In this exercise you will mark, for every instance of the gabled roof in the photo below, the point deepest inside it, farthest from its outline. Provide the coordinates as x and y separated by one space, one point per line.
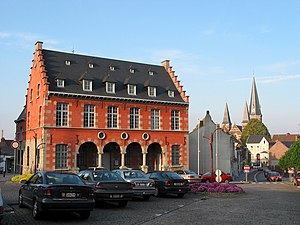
102 72
22 116
253 139
254 101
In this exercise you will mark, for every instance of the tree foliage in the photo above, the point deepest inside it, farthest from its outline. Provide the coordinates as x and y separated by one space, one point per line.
291 158
254 127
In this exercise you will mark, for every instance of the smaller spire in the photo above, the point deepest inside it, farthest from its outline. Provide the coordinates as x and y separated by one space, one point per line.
246 117
226 124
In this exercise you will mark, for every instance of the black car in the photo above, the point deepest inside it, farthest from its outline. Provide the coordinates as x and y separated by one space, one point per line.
56 191
108 186
167 182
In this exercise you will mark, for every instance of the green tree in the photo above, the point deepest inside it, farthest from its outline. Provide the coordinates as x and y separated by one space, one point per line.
254 127
292 157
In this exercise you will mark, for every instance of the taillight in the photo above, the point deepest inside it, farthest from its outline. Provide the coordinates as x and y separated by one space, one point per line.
99 186
189 176
168 183
47 193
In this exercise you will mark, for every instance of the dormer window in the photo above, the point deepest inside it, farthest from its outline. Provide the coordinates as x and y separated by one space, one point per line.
131 70
91 65
60 83
110 87
171 93
87 85
152 91
111 68
131 89
151 73
68 62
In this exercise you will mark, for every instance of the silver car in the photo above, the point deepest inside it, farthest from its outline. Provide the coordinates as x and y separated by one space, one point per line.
142 186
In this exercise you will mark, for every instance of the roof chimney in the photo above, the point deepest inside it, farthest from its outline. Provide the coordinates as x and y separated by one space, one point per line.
166 64
39 45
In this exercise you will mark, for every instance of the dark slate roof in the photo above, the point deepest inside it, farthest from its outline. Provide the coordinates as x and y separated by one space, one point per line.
288 143
22 115
255 138
100 73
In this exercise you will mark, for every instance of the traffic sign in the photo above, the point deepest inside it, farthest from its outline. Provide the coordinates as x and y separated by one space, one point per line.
246 167
15 144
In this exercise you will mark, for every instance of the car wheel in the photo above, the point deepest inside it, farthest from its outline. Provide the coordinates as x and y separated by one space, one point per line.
123 204
180 195
156 193
36 213
85 214
20 201
146 197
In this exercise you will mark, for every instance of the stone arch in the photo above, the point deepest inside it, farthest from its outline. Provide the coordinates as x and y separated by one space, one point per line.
111 158
134 156
154 157
87 156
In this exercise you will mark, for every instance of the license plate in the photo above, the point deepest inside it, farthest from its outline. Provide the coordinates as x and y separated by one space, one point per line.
142 184
177 184
116 196
69 195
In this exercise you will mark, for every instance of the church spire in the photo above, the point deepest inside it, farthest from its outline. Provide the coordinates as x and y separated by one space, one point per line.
245 116
254 108
226 124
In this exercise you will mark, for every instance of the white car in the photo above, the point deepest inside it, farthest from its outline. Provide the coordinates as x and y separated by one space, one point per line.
189 175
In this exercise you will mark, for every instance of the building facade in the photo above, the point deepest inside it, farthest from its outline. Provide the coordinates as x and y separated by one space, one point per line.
85 111
258 145
227 155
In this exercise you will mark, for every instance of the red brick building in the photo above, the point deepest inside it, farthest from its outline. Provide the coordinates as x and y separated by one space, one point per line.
84 111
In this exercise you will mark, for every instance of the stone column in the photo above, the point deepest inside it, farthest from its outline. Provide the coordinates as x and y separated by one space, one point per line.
165 158
122 151
100 153
144 167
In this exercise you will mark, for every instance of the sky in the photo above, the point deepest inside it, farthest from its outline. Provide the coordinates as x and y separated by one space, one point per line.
216 47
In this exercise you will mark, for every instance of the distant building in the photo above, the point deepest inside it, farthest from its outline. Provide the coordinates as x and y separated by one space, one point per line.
6 155
286 137
258 145
276 151
85 111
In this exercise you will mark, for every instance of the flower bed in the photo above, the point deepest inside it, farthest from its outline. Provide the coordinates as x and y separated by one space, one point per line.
215 187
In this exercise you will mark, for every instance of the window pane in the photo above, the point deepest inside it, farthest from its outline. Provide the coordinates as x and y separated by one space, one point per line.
134 118
61 114
175 154
89 115
154 119
61 156
112 117
174 120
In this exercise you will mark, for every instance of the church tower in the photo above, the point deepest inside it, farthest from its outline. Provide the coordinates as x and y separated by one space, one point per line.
245 116
254 108
226 124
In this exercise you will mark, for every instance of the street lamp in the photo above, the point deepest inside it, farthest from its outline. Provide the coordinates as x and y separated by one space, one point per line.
198 148
211 141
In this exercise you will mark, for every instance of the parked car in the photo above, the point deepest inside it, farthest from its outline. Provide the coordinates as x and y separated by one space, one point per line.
189 175
274 176
226 177
97 168
108 186
296 177
56 191
142 186
167 182
266 172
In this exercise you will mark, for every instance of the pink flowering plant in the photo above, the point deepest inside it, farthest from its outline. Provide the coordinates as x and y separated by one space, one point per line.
215 187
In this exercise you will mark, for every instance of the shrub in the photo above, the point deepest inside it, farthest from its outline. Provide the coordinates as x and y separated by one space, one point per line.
215 187
19 178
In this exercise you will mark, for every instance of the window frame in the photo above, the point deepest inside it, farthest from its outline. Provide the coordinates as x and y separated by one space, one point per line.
134 118
131 89
110 87
175 120
87 85
112 117
151 91
89 115
60 83
62 114
155 119
61 156
175 155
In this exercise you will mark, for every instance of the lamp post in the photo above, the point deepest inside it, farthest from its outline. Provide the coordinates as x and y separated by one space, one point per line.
211 141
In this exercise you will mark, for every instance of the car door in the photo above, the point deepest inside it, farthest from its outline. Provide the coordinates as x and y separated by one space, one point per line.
28 188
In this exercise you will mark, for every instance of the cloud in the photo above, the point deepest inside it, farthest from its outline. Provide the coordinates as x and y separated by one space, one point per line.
282 65
4 35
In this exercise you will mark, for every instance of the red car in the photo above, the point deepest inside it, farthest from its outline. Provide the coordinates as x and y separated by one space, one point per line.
274 176
296 177
226 177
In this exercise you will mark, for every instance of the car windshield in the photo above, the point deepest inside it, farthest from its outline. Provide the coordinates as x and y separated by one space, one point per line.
190 172
62 178
206 174
171 175
105 176
274 174
134 174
